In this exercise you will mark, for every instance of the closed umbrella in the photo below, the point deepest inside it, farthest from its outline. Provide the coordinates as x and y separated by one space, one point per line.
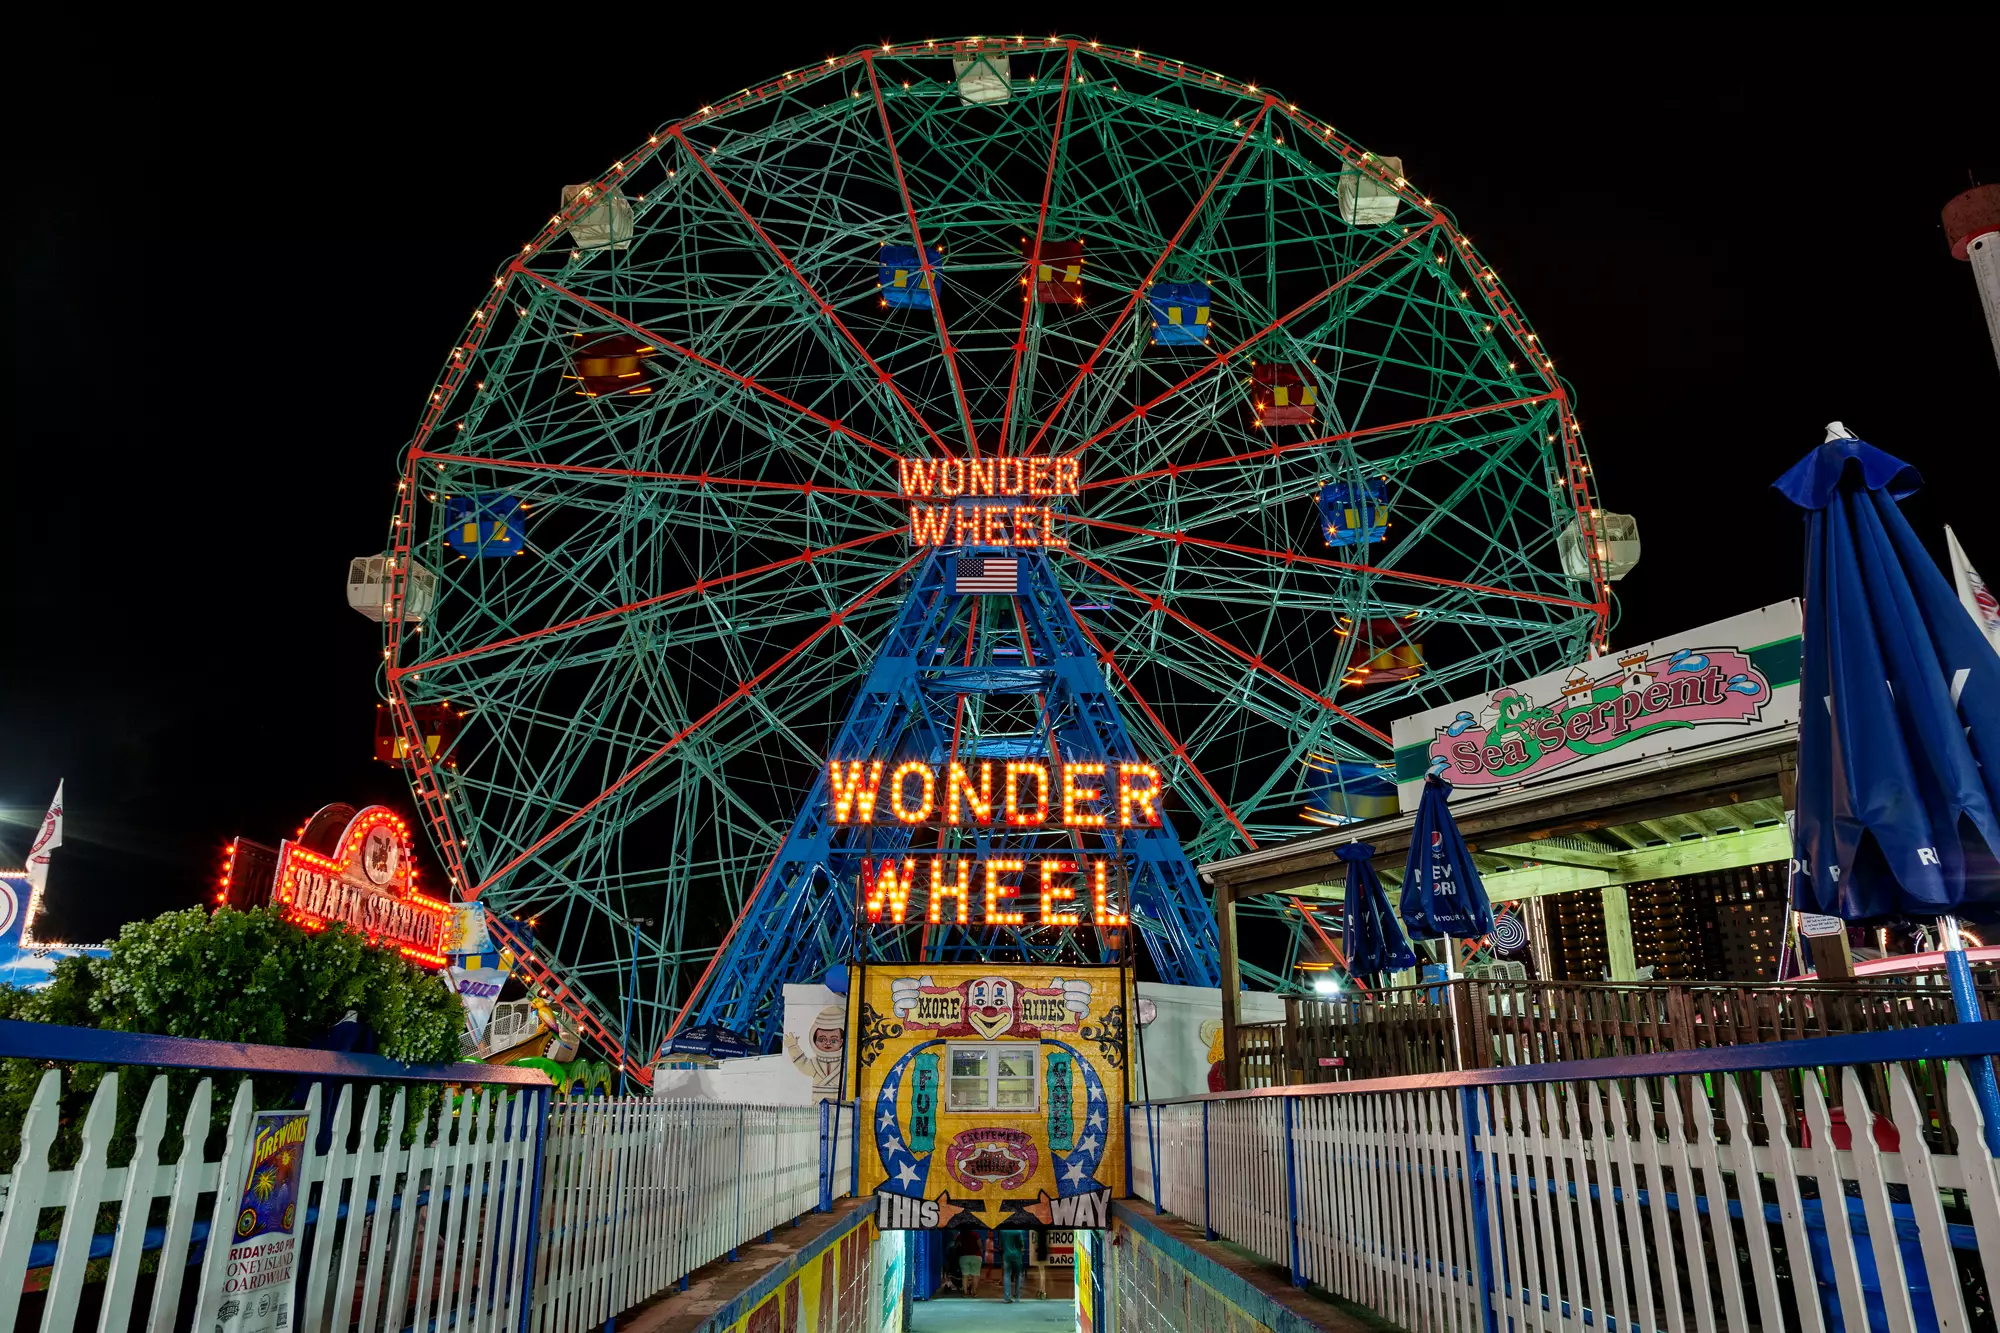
1442 891
1368 934
1900 704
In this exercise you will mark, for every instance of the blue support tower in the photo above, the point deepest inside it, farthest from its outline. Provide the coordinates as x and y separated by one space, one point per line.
959 677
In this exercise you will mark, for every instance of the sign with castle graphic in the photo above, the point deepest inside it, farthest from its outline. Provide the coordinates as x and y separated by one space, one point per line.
1715 683
992 1093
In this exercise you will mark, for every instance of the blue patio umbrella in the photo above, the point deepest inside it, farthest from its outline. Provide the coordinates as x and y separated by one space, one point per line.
1442 891
1899 704
1368 934
1899 721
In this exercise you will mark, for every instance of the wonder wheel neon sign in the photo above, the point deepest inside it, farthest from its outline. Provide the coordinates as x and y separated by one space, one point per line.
1032 797
988 501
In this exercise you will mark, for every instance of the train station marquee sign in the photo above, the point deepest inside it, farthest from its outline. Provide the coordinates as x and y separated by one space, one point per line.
366 883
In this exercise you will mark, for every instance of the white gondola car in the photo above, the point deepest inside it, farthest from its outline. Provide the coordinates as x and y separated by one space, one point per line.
607 222
1617 545
983 79
1366 200
368 588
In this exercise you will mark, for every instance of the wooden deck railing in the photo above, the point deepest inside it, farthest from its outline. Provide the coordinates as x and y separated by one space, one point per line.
1491 1024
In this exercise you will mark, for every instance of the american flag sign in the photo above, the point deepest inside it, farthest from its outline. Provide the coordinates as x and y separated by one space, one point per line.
987 573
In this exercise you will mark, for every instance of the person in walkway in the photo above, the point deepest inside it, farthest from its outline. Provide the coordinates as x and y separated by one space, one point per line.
971 1248
1013 1258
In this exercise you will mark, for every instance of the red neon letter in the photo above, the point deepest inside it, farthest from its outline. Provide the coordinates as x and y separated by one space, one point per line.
1073 795
849 792
995 890
1100 891
1016 770
917 475
940 890
896 784
958 786
928 524
1145 793
889 884
1053 892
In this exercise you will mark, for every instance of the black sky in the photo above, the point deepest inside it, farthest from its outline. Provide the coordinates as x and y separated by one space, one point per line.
235 262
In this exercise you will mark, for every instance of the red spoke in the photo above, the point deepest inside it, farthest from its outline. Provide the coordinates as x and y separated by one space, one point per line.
1090 362
836 427
699 586
1035 255
825 306
923 261
1224 358
641 474
1154 603
741 692
1180 751
1176 469
1321 562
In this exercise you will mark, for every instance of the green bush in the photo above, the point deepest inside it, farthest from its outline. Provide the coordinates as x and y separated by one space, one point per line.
227 976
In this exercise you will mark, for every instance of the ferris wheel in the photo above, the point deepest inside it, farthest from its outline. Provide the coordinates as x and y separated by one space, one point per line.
653 527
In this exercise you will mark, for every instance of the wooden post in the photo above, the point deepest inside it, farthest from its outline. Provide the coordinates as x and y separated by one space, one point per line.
1232 988
1289 1058
1832 959
1618 933
1468 1004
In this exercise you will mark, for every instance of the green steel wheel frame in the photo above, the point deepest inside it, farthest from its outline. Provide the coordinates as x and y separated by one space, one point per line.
709 562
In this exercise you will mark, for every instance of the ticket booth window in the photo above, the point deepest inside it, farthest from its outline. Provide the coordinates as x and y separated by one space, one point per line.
993 1076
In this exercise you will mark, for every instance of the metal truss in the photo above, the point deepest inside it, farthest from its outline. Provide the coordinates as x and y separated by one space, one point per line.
953 685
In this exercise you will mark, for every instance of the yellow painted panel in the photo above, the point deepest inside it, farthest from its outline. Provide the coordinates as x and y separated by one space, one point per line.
1048 1046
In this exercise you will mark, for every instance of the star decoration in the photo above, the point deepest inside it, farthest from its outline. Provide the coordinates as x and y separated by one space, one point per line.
908 1175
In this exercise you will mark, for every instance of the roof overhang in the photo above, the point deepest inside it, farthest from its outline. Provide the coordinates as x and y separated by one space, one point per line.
1661 786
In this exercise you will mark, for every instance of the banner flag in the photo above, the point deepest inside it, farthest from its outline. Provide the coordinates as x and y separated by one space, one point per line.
1978 600
46 841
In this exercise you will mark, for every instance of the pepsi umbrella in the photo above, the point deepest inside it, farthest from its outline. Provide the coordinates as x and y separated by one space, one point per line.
1442 891
1368 934
1900 701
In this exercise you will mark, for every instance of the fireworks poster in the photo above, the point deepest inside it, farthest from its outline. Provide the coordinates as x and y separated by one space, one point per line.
263 1248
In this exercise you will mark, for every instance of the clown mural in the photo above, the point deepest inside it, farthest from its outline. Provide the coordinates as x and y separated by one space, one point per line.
992 1095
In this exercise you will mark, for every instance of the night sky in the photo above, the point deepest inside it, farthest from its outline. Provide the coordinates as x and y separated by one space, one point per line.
232 277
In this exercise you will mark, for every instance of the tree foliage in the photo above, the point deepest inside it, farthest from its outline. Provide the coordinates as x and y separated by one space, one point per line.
228 976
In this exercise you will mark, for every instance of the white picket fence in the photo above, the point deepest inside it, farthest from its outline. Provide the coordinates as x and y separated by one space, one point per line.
436 1235
636 1194
436 1231
1583 1210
